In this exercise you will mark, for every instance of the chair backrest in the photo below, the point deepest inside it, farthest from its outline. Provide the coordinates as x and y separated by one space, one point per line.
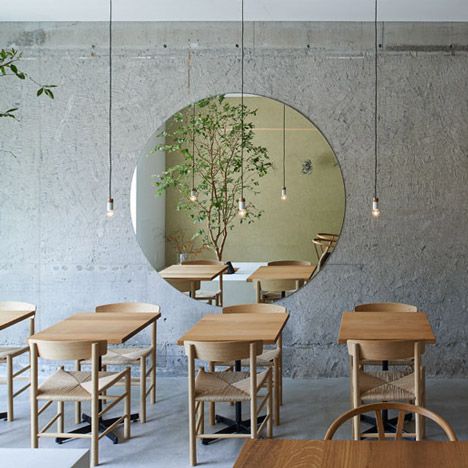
289 262
402 408
67 350
202 262
223 351
380 350
385 307
128 307
10 306
254 309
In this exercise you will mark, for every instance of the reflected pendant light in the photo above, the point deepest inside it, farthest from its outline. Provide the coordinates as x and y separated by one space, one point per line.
193 192
242 206
110 200
284 195
375 198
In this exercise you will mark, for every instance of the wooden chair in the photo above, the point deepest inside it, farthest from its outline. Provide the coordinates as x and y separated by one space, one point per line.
9 353
208 296
64 386
385 307
130 356
230 386
270 357
390 385
323 248
402 408
272 290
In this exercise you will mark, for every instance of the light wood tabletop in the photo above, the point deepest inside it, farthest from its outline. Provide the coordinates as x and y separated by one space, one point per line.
237 327
7 319
385 326
352 454
115 328
284 272
193 272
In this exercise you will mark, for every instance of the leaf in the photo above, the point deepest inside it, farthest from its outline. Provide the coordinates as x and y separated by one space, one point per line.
49 93
39 91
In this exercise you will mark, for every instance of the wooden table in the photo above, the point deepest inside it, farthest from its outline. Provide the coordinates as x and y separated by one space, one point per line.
118 328
352 454
8 319
115 328
236 327
194 274
410 326
298 273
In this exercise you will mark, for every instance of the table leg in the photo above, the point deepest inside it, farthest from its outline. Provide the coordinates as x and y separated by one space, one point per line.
236 425
4 415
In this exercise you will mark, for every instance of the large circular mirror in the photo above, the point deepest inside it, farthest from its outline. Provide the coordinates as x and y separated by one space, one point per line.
237 203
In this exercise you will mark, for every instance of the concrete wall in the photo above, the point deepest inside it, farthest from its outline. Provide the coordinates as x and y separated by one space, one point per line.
59 250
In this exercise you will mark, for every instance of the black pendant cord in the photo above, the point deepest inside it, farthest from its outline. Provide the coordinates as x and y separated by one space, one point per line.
110 99
242 99
284 145
193 146
376 97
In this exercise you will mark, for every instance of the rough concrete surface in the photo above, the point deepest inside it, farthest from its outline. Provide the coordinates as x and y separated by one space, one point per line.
58 250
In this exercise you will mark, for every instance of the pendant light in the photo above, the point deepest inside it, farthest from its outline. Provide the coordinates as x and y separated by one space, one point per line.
193 192
375 199
110 200
284 194
242 206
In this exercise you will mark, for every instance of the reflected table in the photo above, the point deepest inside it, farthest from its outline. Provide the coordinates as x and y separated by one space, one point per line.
236 327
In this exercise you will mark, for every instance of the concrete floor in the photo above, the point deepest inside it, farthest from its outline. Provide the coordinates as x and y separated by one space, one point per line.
309 407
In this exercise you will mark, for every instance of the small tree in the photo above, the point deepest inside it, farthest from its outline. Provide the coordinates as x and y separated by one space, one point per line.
217 164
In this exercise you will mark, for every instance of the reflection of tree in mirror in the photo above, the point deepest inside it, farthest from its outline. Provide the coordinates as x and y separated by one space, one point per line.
217 162
185 246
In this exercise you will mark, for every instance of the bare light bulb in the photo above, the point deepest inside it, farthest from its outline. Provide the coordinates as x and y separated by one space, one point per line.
375 207
242 209
193 195
110 207
284 194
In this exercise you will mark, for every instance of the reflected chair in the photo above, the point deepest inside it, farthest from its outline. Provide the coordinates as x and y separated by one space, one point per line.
132 356
405 385
208 296
323 248
9 353
272 290
270 357
65 386
226 386
402 408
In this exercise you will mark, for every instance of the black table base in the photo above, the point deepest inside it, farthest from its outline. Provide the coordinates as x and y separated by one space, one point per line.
4 415
103 425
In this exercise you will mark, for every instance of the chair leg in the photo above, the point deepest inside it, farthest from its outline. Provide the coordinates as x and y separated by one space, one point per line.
128 406
192 432
94 433
143 389
34 423
212 410
77 403
10 390
153 363
60 420
270 409
276 380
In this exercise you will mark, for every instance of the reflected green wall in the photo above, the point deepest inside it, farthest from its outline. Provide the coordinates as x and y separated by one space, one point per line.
315 203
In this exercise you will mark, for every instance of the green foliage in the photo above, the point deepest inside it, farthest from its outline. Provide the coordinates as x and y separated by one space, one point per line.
217 127
9 59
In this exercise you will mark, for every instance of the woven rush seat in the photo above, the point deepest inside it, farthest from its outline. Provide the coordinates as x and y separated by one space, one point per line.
225 386
265 359
123 356
386 386
6 351
71 385
205 294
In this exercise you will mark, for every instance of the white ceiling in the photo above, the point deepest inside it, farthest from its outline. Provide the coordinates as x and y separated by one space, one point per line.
229 10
